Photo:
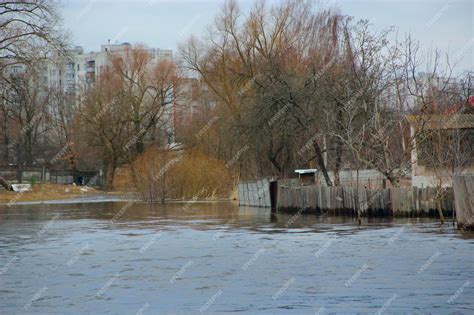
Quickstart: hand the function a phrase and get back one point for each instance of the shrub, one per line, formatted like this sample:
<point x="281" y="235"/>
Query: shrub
<point x="160" y="174"/>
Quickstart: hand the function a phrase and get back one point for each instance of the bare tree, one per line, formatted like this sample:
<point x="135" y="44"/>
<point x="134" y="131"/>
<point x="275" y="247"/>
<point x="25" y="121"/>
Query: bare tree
<point x="29" y="32"/>
<point x="129" y="106"/>
<point x="26" y="25"/>
<point x="260" y="70"/>
<point x="25" y="100"/>
<point x="149" y="87"/>
<point x="105" y="127"/>
<point x="444" y="147"/>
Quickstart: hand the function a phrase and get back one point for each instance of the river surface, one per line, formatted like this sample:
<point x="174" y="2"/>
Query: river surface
<point x="188" y="258"/>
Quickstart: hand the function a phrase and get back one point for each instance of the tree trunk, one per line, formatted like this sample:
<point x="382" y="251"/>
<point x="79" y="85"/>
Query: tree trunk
<point x="163" y="177"/>
<point x="359" y="220"/>
<point x="163" y="188"/>
<point x="337" y="168"/>
<point x="276" y="165"/>
<point x="392" y="179"/>
<point x="440" y="210"/>
<point x="320" y="161"/>
<point x="6" y="142"/>
<point x="5" y="184"/>
<point x="134" y="174"/>
<point x="28" y="151"/>
<point x="110" y="174"/>
<point x="19" y="161"/>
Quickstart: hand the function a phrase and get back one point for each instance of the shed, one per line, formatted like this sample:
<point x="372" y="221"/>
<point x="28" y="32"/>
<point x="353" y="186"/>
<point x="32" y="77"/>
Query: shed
<point x="307" y="176"/>
<point x="80" y="178"/>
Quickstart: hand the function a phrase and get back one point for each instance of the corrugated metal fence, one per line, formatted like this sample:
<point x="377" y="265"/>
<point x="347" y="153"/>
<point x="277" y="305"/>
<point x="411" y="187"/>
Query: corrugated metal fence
<point x="255" y="193"/>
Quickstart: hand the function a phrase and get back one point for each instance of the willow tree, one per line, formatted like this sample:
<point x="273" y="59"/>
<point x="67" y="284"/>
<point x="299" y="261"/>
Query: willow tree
<point x="149" y="86"/>
<point x="104" y="125"/>
<point x="130" y="106"/>
<point x="261" y="68"/>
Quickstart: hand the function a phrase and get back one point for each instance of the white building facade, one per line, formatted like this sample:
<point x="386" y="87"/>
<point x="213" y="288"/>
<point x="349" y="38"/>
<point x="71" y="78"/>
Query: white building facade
<point x="80" y="70"/>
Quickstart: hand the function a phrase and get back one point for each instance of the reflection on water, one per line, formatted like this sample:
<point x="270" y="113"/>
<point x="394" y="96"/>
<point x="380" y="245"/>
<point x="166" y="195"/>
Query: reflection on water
<point x="124" y="258"/>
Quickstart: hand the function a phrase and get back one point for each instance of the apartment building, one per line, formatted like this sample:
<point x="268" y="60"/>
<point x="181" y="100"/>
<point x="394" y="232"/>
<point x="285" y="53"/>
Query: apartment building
<point x="80" y="70"/>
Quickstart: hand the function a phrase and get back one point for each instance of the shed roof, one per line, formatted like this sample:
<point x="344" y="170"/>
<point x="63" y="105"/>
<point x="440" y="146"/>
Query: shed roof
<point x="306" y="171"/>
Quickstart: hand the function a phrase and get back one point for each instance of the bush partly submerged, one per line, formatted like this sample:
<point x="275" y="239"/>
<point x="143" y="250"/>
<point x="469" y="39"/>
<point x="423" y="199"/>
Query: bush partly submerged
<point x="164" y="174"/>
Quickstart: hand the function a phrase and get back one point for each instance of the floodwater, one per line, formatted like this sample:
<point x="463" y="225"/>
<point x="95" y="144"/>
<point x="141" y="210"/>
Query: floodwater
<point x="123" y="258"/>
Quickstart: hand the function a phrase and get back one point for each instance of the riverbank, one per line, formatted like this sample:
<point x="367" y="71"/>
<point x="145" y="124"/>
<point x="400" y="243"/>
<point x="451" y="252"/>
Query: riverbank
<point x="66" y="194"/>
<point x="52" y="192"/>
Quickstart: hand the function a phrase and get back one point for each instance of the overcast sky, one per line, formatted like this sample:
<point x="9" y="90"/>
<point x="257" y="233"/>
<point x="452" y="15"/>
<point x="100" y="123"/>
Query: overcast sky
<point x="445" y="24"/>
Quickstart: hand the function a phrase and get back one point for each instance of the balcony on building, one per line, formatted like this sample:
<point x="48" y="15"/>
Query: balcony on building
<point x="90" y="66"/>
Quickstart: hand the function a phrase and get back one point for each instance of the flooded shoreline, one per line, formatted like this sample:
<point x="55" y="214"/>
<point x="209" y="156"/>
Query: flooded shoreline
<point x="102" y="198"/>
<point x="219" y="258"/>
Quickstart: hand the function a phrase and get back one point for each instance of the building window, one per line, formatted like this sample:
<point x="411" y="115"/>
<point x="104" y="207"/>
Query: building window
<point x="90" y="65"/>
<point x="16" y="69"/>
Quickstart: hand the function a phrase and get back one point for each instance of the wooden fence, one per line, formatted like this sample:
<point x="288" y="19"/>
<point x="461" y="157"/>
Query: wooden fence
<point x="464" y="198"/>
<point x="346" y="200"/>
<point x="291" y="196"/>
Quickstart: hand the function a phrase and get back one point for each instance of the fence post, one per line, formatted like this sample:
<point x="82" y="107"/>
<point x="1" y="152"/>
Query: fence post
<point x="464" y="201"/>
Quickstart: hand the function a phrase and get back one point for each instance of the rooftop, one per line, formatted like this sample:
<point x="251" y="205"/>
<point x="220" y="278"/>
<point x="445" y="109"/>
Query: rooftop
<point x="454" y="121"/>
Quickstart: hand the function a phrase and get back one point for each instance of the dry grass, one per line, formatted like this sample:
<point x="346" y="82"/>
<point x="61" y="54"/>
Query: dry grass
<point x="42" y="192"/>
